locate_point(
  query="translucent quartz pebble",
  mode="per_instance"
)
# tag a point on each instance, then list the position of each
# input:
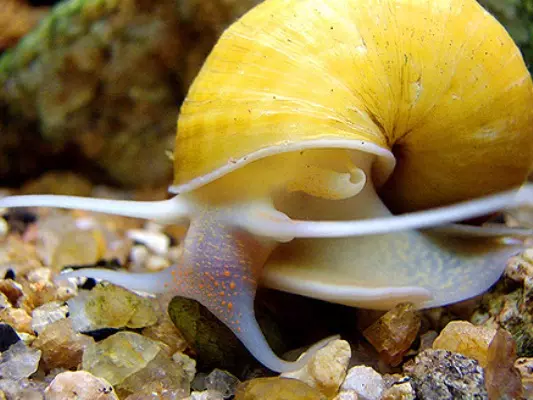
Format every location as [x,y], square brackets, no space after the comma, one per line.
[22,389]
[443,375]
[130,362]
[502,378]
[110,306]
[46,314]
[186,363]
[82,385]
[19,361]
[165,331]
[327,369]
[222,382]
[393,334]
[51,230]
[61,347]
[78,247]
[467,339]
[276,389]
[119,356]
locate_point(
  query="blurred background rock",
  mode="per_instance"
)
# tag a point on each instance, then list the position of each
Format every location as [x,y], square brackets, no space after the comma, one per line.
[94,86]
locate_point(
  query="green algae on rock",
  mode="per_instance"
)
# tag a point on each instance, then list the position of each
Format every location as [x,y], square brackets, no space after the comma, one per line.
[110,306]
[508,303]
[214,344]
[76,78]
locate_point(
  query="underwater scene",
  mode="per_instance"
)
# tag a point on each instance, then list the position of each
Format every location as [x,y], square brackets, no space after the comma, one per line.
[278,199]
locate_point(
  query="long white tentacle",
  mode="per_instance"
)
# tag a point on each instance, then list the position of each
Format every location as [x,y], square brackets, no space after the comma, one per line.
[172,210]
[272,225]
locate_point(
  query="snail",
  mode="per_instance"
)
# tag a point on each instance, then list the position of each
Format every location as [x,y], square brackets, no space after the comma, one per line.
[310,123]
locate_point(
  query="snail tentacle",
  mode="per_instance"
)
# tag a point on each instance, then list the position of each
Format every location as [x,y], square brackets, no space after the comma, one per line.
[173,210]
[263,225]
[152,283]
[489,230]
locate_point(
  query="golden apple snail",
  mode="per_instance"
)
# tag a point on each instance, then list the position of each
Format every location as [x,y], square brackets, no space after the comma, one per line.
[308,122]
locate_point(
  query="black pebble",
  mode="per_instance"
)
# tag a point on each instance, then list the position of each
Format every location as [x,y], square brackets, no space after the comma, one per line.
[10,274]
[88,284]
[38,3]
[101,334]
[8,336]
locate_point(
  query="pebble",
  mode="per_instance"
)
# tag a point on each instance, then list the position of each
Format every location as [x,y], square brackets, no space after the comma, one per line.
[131,363]
[17,318]
[221,381]
[205,395]
[465,338]
[186,363]
[503,380]
[156,263]
[365,381]
[48,313]
[12,290]
[4,228]
[119,356]
[157,242]
[327,368]
[79,385]
[78,247]
[39,275]
[400,389]
[19,361]
[347,395]
[166,332]
[443,375]
[8,337]
[4,301]
[110,306]
[61,347]
[22,389]
[393,334]
[276,389]
[139,254]
[524,365]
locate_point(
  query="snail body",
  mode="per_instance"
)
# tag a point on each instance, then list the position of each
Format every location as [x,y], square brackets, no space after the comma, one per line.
[304,112]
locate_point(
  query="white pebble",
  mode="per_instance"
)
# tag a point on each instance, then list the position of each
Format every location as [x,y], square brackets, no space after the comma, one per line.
[47,314]
[326,369]
[187,364]
[4,228]
[365,381]
[156,263]
[79,385]
[205,395]
[139,254]
[40,275]
[155,241]
[347,395]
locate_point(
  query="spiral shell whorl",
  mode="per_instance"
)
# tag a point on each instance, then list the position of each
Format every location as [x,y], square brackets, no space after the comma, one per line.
[435,81]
